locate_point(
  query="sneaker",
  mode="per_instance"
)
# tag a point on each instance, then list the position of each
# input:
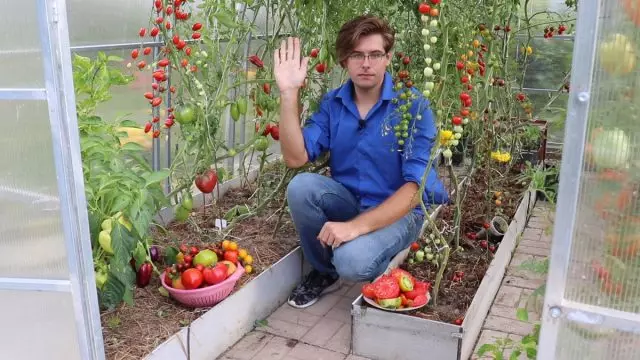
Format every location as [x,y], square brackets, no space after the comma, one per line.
[312,288]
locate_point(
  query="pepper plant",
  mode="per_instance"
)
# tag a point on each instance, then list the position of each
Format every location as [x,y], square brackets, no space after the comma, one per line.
[123,193]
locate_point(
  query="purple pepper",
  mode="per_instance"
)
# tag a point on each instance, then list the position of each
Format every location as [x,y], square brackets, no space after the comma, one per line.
[155,253]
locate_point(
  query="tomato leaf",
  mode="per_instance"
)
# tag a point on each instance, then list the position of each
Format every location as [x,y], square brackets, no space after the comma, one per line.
[157,176]
[486,347]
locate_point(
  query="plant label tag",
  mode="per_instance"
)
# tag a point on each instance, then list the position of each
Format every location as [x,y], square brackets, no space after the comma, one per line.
[221,223]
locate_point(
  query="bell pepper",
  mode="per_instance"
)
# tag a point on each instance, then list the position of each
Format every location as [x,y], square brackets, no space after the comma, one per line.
[143,277]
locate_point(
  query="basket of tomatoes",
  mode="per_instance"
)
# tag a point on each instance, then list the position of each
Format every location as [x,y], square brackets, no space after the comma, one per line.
[204,277]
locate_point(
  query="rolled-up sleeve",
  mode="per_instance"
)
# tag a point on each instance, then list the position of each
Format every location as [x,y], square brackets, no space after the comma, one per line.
[316,131]
[416,160]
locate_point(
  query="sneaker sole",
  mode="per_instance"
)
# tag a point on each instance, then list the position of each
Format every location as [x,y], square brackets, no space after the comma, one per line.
[334,287]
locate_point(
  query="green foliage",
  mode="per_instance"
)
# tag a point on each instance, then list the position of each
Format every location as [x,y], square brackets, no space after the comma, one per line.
[118,180]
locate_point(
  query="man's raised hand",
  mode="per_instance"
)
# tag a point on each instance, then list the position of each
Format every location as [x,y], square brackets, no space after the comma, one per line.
[289,69]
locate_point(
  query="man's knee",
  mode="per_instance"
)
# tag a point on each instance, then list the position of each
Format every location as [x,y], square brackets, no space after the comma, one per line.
[300,187]
[354,266]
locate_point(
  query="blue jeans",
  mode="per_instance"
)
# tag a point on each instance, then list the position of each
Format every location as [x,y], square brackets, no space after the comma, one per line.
[315,199]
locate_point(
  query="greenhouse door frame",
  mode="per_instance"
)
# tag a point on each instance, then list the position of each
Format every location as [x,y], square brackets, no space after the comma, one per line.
[556,307]
[60,97]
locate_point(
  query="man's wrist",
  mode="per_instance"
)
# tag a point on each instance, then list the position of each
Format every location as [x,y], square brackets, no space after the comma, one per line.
[360,226]
[290,93]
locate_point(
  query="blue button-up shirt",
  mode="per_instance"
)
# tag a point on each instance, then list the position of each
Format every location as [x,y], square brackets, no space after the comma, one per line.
[365,159]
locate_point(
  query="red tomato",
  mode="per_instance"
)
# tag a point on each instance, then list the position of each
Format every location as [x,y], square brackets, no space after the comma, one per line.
[314,53]
[424,8]
[457,120]
[275,132]
[458,321]
[420,300]
[368,291]
[231,255]
[321,68]
[386,287]
[191,278]
[415,246]
[200,267]
[266,87]
[420,288]
[397,274]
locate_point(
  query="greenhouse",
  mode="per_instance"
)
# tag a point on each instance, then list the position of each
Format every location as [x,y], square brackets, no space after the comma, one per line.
[309,179]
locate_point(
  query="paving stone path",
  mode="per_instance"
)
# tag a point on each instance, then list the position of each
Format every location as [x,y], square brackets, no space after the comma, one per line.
[323,331]
[518,284]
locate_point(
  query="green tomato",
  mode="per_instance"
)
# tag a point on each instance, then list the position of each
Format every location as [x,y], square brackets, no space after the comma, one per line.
[419,255]
[187,203]
[429,256]
[181,213]
[185,115]
[261,144]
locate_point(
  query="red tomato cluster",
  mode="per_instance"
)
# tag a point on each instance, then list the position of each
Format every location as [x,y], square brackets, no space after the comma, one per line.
[549,31]
[270,129]
[165,20]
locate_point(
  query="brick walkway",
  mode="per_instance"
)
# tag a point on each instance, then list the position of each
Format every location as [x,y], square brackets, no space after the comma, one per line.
[320,332]
[518,284]
[323,331]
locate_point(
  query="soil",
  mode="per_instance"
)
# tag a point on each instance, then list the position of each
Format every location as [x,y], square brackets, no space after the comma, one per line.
[132,332]
[455,297]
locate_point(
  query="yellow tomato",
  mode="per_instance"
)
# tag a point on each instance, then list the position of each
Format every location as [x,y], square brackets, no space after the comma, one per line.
[225,244]
[233,246]
[248,269]
[248,260]
[617,55]
[242,253]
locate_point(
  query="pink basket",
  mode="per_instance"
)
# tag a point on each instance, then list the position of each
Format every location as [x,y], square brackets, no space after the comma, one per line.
[206,296]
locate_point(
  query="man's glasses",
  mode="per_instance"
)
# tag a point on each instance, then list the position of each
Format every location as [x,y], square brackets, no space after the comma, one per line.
[373,57]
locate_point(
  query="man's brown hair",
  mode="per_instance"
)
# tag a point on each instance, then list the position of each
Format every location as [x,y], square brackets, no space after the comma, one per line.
[363,25]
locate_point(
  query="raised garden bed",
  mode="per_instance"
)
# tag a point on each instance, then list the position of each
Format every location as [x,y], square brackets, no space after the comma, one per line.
[449,329]
[160,323]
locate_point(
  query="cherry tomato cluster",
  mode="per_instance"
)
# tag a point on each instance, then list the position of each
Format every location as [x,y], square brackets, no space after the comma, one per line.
[403,85]
[550,30]
[168,13]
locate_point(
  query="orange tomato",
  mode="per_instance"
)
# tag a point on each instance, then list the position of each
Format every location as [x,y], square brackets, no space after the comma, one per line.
[233,246]
[434,12]
[225,244]
[476,43]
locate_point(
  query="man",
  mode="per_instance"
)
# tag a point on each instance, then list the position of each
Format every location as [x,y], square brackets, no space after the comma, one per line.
[352,224]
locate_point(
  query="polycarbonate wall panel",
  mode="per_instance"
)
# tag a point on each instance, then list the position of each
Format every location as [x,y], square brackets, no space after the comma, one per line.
[37,325]
[20,54]
[606,244]
[93,22]
[31,238]
[581,342]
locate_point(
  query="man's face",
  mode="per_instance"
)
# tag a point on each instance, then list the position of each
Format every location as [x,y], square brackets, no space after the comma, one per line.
[367,63]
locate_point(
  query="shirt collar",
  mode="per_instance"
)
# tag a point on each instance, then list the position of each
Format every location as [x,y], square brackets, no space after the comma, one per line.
[388,93]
